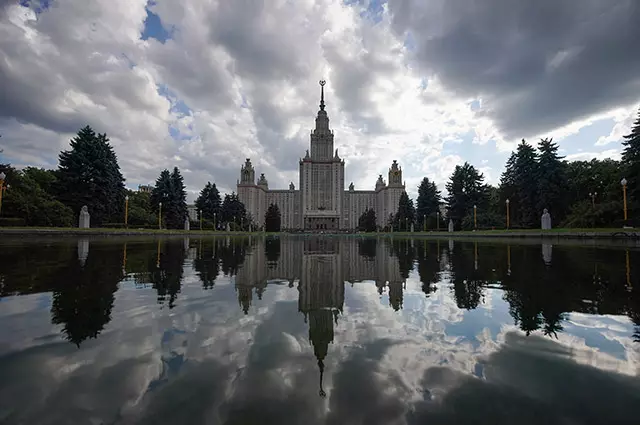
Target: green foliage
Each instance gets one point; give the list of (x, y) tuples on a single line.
[(428, 202), (466, 188), (526, 185), (89, 175), (552, 180), (209, 201), (170, 190), (272, 218), (405, 217), (367, 221), (631, 159), (233, 211), (26, 200), (140, 211)]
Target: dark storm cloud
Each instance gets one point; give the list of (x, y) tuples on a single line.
[(537, 65)]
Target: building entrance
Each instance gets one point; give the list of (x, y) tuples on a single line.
[(321, 223)]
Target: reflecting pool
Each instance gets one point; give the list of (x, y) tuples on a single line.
[(318, 330)]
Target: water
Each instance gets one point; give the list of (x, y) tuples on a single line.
[(310, 331)]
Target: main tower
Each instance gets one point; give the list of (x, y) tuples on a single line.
[(321, 177)]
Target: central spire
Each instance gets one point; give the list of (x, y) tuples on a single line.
[(322, 83)]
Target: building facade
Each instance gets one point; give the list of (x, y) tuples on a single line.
[(321, 202)]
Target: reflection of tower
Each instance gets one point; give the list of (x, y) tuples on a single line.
[(321, 295), (396, 294)]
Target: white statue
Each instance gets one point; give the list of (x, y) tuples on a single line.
[(85, 218), (187, 225), (546, 220), (450, 225)]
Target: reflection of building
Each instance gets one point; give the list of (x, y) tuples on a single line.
[(321, 201), (321, 266)]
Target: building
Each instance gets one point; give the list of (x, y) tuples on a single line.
[(321, 202), (192, 211), (145, 188)]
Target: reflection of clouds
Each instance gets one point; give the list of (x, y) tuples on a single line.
[(204, 361)]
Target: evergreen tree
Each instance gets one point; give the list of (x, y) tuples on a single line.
[(508, 187), (466, 189), (232, 210), (631, 160), (428, 201), (406, 214), (209, 201), (367, 221), (89, 175), (526, 185), (552, 180), (272, 219), (170, 190)]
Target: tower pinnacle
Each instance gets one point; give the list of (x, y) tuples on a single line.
[(322, 83)]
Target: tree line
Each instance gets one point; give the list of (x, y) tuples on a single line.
[(577, 194)]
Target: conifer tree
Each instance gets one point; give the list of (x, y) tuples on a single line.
[(209, 201), (405, 216), (272, 219), (428, 201), (631, 161), (552, 180), (89, 174)]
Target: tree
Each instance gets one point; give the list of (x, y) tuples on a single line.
[(367, 221), (232, 210), (428, 202), (466, 189), (209, 201), (29, 201), (631, 160), (89, 174), (140, 211), (552, 180), (406, 214), (526, 185), (272, 219), (170, 190)]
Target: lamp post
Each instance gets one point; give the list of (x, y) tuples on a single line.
[(126, 211), (2, 177), (507, 202), (159, 215), (475, 217), (623, 182), (424, 223), (214, 221), (438, 221), (593, 198), (200, 213)]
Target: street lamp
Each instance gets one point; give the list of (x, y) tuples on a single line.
[(475, 217), (507, 202), (159, 215), (200, 213), (593, 198), (214, 221), (437, 220), (623, 182), (126, 211), (2, 177), (424, 223)]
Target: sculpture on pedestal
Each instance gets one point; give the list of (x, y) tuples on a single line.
[(450, 225), (546, 220), (85, 218), (187, 225)]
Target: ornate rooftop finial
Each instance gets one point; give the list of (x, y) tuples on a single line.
[(322, 83)]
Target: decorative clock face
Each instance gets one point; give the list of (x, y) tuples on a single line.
[(396, 173)]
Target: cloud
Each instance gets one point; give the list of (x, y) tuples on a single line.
[(536, 66), (224, 81)]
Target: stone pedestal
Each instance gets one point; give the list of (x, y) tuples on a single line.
[(84, 219)]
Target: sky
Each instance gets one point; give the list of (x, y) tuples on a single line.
[(204, 84)]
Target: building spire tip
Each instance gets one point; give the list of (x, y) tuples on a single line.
[(322, 83)]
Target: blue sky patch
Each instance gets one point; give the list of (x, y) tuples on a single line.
[(153, 27)]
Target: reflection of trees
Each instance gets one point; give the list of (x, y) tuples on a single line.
[(404, 251), (272, 251), (167, 276), (367, 248), (468, 280), (206, 263), (83, 295), (428, 259), (232, 252)]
